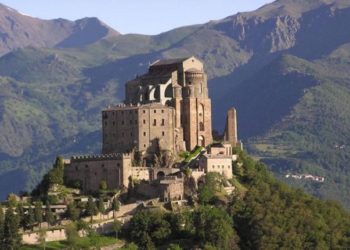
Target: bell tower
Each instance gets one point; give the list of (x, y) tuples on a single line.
[(196, 109)]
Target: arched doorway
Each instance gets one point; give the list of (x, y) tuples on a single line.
[(160, 175)]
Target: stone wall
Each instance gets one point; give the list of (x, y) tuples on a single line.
[(143, 128), (217, 164), (90, 171)]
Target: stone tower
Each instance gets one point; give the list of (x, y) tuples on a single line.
[(231, 127), (196, 109), (168, 106)]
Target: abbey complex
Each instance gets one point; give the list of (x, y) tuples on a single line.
[(166, 111)]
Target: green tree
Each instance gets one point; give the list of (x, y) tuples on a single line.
[(73, 212), (117, 226), (101, 205), (12, 200), (29, 218), (58, 171), (115, 206), (72, 236), (174, 247), (38, 213), (91, 208), (49, 216), (42, 238), (214, 227), (2, 224), (11, 238), (147, 228), (20, 214), (131, 246), (206, 192), (103, 185)]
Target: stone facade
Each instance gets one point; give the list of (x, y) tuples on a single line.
[(90, 171), (143, 128), (177, 88), (221, 164)]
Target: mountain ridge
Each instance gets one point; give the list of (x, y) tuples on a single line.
[(18, 31)]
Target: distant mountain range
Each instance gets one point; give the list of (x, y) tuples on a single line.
[(18, 31), (285, 67)]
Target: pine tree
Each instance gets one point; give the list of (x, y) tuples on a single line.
[(11, 226), (38, 213), (91, 208), (115, 206), (20, 214), (2, 223), (73, 212), (29, 218), (101, 205), (49, 217)]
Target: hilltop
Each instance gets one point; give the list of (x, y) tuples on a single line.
[(284, 67)]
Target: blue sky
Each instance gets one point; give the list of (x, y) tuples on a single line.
[(137, 16)]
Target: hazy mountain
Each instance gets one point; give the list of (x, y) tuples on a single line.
[(285, 67), (18, 31)]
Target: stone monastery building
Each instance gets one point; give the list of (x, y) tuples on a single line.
[(167, 108)]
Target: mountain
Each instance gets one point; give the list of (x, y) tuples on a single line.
[(19, 31), (285, 67)]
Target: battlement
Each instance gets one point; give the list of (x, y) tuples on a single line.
[(101, 157), (122, 106)]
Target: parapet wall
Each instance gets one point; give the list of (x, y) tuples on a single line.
[(102, 157)]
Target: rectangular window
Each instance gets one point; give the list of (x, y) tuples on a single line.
[(155, 111), (144, 133), (144, 121), (144, 111), (154, 122), (163, 122), (163, 133)]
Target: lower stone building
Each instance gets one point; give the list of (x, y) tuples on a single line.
[(90, 171), (114, 169)]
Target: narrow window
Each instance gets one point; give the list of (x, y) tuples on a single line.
[(154, 122), (144, 121), (163, 122), (144, 133), (163, 133), (144, 111), (155, 111)]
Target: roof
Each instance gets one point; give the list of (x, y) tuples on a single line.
[(169, 61)]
